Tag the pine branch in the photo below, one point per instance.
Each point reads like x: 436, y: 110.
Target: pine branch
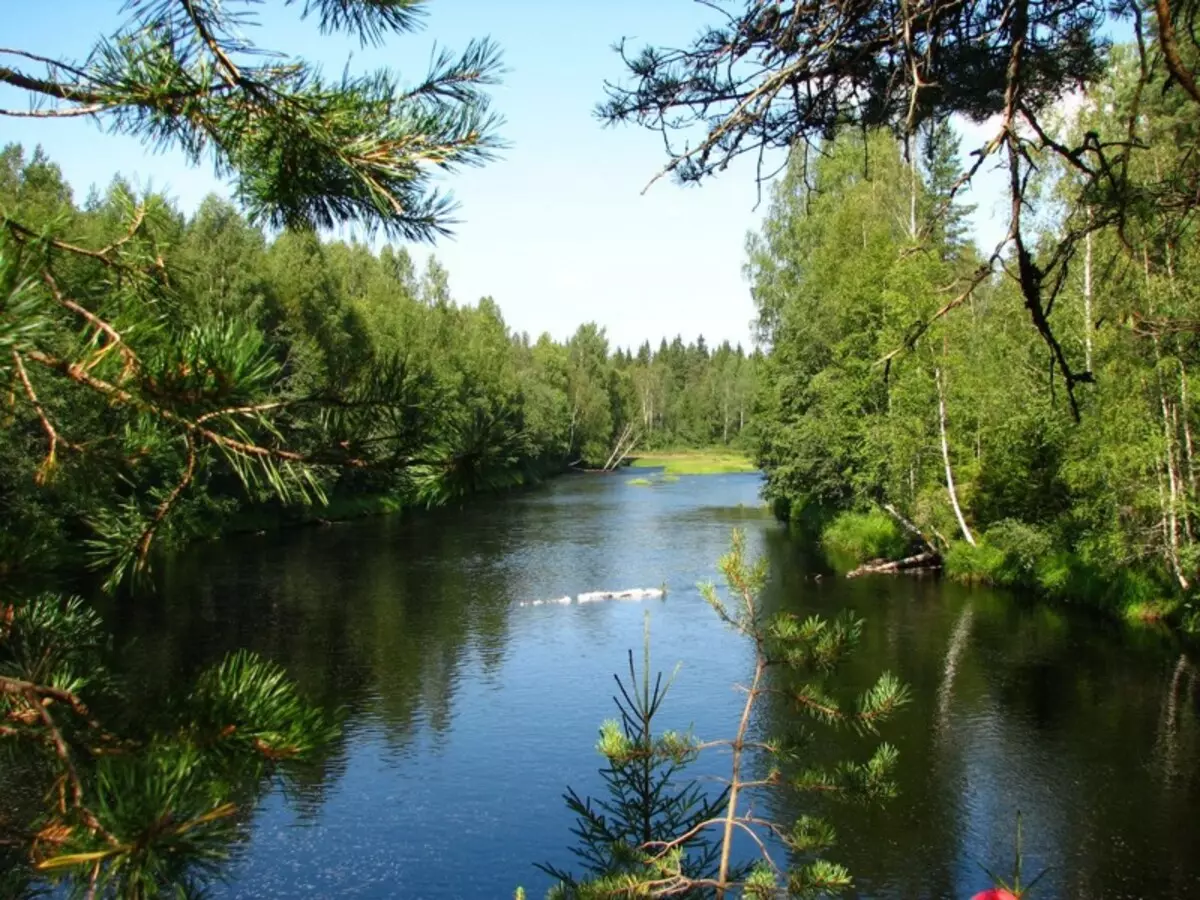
x: 45, y: 470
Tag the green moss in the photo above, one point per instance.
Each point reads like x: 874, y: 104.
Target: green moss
x: 640, y: 482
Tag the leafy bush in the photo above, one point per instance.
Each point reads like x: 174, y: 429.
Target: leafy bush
x: 1010, y: 554
x: 1024, y: 548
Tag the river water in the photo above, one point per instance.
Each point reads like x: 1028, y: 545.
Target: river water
x: 468, y: 714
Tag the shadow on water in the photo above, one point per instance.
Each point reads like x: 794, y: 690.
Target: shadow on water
x: 467, y: 714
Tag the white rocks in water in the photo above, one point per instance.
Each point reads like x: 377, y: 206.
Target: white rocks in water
x: 635, y: 594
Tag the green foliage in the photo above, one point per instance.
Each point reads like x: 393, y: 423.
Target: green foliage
x: 305, y: 151
x: 647, y: 798
x: 143, y: 803
x: 279, y: 380
x: 865, y: 536
x: 966, y: 432
x: 275, y: 380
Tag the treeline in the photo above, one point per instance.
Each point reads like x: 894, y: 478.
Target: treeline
x: 905, y: 392
x: 368, y: 383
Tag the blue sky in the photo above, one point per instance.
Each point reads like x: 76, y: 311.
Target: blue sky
x: 557, y: 231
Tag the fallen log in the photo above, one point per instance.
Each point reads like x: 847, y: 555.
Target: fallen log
x: 919, y: 561
x: 559, y: 600
x: 910, y: 527
x: 597, y: 596
x: 635, y: 594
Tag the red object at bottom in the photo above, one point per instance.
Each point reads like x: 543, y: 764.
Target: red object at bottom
x: 995, y: 894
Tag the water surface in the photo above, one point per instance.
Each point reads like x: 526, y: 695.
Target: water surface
x: 468, y: 714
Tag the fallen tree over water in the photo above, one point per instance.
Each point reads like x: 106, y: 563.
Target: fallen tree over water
x: 920, y: 562
x: 597, y: 596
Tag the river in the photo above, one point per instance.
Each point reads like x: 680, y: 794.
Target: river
x: 468, y: 714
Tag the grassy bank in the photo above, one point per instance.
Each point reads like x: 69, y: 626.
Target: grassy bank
x: 1018, y: 557
x: 696, y: 462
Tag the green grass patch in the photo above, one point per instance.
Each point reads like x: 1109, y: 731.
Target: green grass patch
x: 640, y: 482
x: 696, y: 462
x: 857, y: 538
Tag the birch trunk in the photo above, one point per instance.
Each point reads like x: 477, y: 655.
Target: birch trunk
x: 617, y: 448
x: 912, y: 192
x: 1187, y: 429
x: 1180, y: 490
x: 1087, y: 294
x: 1170, y: 533
x: 1170, y: 439
x: 958, y: 514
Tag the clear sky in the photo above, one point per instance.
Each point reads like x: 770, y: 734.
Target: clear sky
x: 557, y: 231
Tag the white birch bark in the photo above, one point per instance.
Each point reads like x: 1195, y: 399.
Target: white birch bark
x: 958, y: 514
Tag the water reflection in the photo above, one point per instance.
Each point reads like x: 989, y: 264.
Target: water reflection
x: 467, y: 715
x: 1018, y: 707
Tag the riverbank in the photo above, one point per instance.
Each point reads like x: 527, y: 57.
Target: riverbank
x: 718, y: 461
x: 1019, y: 557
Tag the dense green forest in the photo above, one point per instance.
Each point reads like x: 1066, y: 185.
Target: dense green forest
x: 398, y: 395
x: 968, y: 433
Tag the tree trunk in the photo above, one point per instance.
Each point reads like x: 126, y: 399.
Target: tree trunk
x: 918, y: 562
x: 1187, y: 429
x: 1181, y: 491
x: 958, y: 514
x: 1087, y: 295
x: 1172, y: 494
x: 1170, y: 439
x: 912, y: 193
x: 909, y: 526
x: 610, y: 464
x: 1170, y: 533
x: 735, y: 779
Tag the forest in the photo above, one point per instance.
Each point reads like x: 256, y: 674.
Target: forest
x: 398, y: 395
x: 969, y: 447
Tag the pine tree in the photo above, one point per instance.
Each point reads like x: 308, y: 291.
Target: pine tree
x: 141, y: 803
x: 646, y: 794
